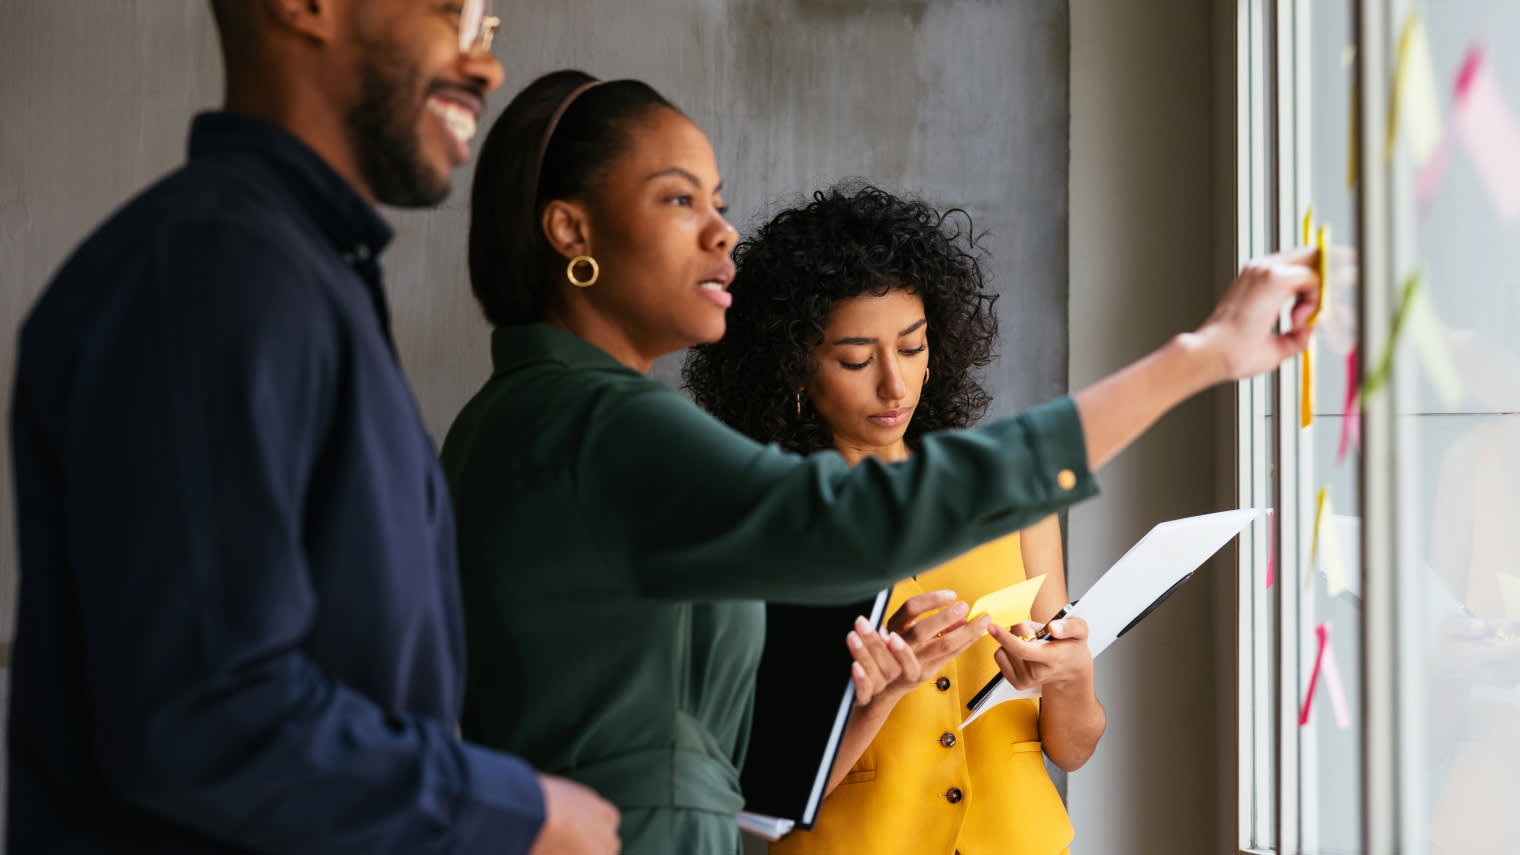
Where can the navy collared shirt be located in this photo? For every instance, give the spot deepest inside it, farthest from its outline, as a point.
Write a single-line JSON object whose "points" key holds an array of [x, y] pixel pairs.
{"points": [[239, 626]]}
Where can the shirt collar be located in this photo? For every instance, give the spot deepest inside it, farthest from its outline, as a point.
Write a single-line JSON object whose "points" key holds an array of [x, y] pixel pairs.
{"points": [[521, 345], [352, 224]]}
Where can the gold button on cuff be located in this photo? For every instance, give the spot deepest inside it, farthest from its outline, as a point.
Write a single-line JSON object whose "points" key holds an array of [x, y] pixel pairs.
{"points": [[1066, 479]]}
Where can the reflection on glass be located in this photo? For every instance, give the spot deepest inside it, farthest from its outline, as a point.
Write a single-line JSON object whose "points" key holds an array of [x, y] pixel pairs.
{"points": [[1463, 501], [1329, 607]]}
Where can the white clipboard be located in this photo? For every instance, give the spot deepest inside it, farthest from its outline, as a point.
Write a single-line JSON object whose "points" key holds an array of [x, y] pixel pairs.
{"points": [[1137, 583]]}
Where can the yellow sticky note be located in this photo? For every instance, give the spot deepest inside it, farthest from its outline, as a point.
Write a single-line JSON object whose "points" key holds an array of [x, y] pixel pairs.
{"points": [[1325, 548], [1321, 243], [1010, 605], [1319, 519], [1413, 102], [1331, 559], [1509, 592]]}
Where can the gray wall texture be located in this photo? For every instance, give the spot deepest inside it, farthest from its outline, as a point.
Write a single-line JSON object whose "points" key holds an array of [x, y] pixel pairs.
{"points": [[1153, 214]]}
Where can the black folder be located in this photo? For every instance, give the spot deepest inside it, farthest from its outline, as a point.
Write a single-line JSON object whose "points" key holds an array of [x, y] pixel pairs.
{"points": [[803, 700]]}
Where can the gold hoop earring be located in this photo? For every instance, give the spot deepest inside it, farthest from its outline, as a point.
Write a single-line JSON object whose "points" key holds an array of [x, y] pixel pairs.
{"points": [[799, 403], [596, 271]]}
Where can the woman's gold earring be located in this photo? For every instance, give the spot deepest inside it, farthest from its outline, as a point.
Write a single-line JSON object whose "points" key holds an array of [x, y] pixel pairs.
{"points": [[799, 403], [596, 271]]}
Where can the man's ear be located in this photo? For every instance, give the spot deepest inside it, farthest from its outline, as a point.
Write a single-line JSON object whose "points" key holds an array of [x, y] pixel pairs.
{"points": [[315, 19], [567, 226]]}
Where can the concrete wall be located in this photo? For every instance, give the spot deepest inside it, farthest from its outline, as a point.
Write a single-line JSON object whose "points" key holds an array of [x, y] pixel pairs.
{"points": [[1152, 229]]}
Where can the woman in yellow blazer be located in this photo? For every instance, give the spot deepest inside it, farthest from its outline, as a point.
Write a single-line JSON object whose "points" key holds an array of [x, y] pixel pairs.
{"points": [[870, 310]]}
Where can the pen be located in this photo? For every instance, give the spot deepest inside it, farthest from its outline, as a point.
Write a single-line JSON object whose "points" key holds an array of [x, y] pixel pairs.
{"points": [[1042, 633]]}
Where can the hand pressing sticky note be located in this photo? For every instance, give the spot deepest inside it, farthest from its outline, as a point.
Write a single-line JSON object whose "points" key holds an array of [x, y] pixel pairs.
{"points": [[1010, 605], [1322, 244]]}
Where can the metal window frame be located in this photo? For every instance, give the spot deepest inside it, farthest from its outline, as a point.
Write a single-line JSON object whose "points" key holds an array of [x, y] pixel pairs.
{"points": [[1393, 796], [1271, 170], [1271, 178]]}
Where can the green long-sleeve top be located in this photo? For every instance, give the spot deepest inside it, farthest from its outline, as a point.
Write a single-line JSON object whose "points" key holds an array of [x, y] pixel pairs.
{"points": [[615, 542]]}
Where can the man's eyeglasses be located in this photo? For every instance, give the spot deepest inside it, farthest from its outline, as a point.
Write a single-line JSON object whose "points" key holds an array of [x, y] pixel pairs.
{"points": [[476, 28]]}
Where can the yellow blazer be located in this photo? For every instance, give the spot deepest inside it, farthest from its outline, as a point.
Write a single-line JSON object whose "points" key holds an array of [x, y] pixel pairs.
{"points": [[924, 788]]}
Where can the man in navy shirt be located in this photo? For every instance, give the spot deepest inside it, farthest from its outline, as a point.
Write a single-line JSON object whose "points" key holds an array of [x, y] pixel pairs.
{"points": [[239, 625]]}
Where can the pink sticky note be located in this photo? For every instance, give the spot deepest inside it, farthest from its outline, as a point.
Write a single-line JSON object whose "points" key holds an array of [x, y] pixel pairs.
{"points": [[1351, 420], [1432, 173], [1333, 685], [1487, 126], [1271, 548], [1319, 658]]}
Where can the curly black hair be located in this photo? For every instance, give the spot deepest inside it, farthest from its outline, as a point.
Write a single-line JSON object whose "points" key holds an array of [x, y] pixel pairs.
{"points": [[849, 240]]}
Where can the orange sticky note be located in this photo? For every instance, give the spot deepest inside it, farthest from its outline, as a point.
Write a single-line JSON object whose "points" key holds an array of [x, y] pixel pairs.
{"points": [[1010, 605], [1306, 388]]}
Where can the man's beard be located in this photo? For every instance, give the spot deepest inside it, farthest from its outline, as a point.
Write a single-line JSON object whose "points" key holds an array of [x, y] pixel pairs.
{"points": [[385, 131]]}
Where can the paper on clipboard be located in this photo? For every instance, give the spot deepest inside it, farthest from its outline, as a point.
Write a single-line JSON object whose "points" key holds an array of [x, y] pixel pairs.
{"points": [[1151, 569]]}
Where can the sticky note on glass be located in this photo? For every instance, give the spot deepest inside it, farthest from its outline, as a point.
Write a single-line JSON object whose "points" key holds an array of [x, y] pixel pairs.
{"points": [[1321, 243], [1325, 553], [1010, 605], [1306, 386], [1319, 660], [1488, 129], [1335, 688], [1435, 358], [1413, 104], [1509, 592], [1331, 558], [1351, 422], [1382, 370]]}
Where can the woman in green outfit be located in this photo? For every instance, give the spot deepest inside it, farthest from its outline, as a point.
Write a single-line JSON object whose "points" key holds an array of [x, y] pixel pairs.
{"points": [[615, 541]]}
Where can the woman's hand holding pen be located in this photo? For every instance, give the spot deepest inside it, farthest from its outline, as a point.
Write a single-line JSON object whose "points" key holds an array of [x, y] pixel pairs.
{"points": [[1052, 664], [926, 632]]}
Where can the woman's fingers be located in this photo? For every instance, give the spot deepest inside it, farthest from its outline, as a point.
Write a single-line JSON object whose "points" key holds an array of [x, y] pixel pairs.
{"points": [[926, 630], [915, 608], [1030, 664], [936, 652], [1072, 628], [865, 690], [1243, 326], [909, 668], [875, 644], [864, 671]]}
